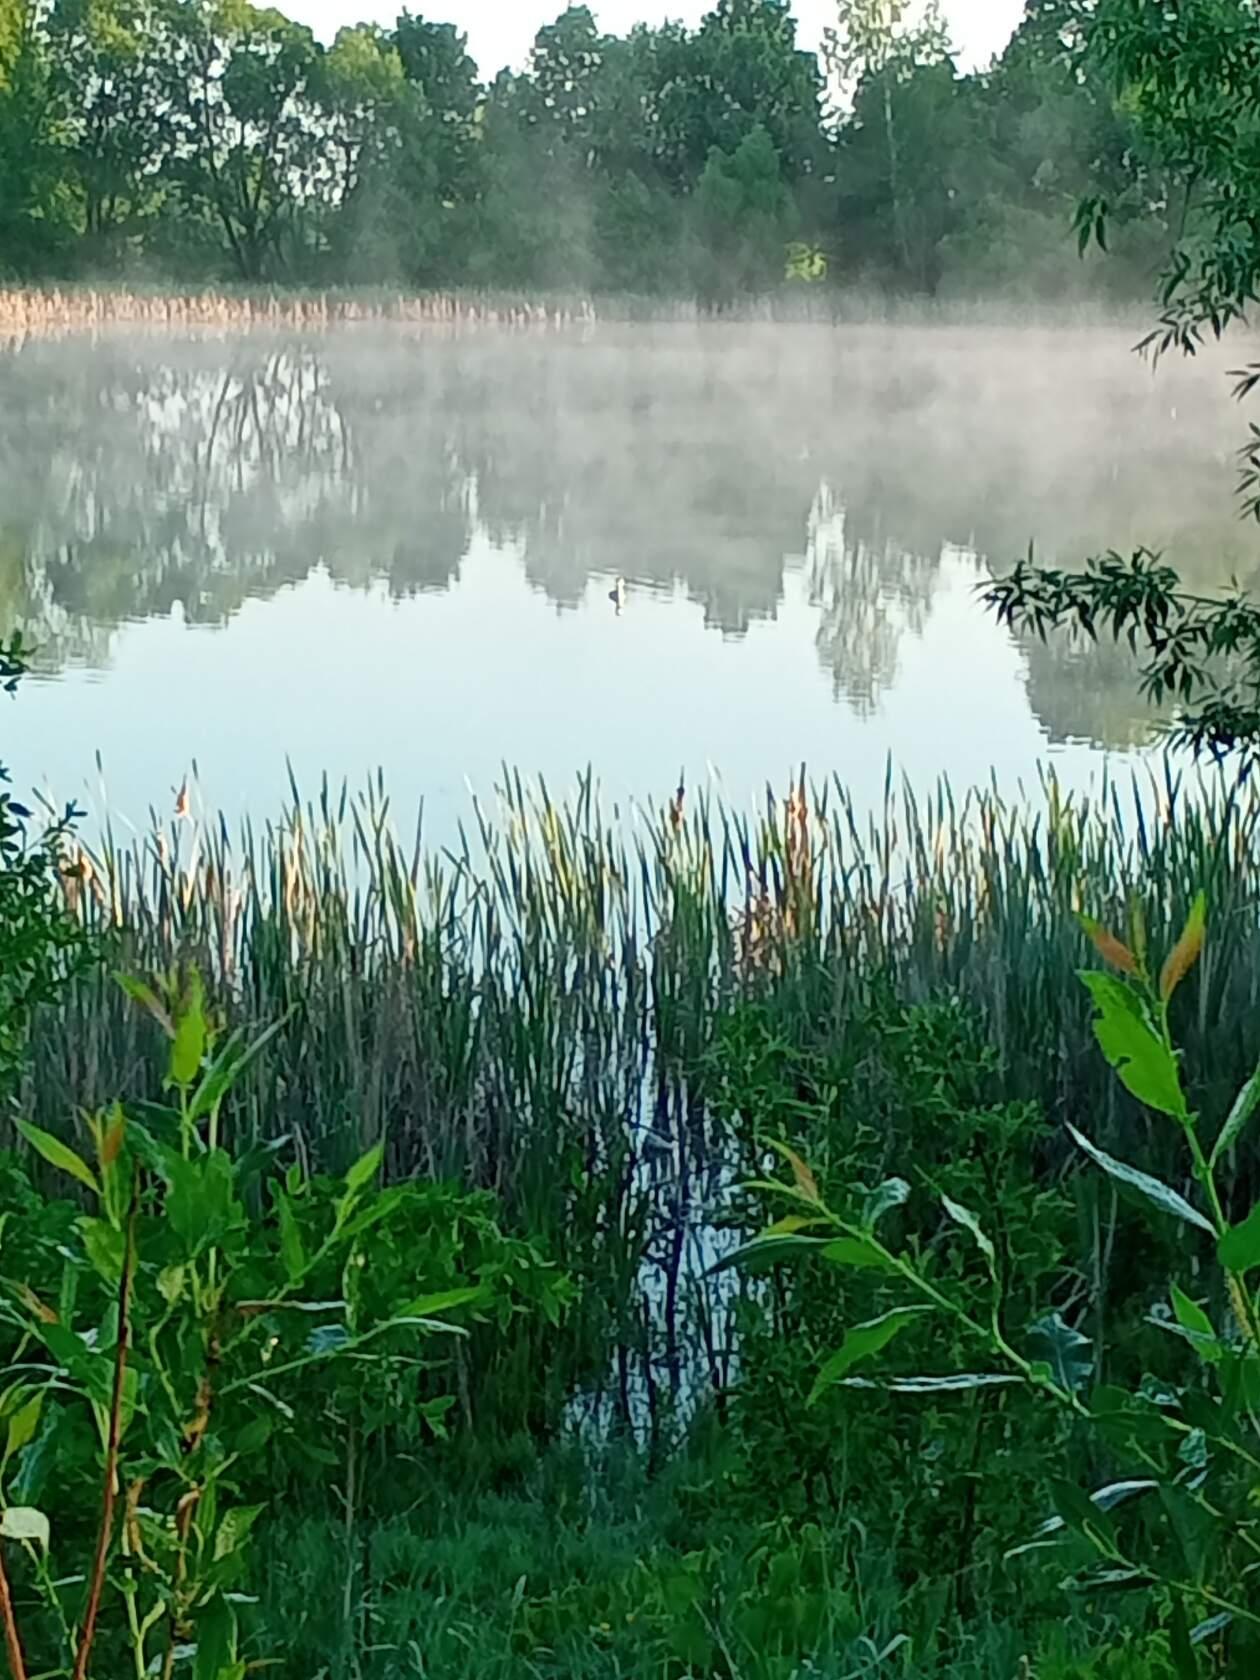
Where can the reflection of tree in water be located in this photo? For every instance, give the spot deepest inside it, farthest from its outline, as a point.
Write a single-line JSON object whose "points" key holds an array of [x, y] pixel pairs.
{"points": [[140, 476], [1086, 692], [870, 592]]}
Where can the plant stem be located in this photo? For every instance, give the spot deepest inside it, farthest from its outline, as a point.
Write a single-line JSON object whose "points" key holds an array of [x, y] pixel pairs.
{"points": [[12, 1644], [109, 1490]]}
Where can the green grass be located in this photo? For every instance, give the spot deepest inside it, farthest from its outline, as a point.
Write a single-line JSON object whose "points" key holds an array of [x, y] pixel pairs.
{"points": [[591, 1569], [542, 1012]]}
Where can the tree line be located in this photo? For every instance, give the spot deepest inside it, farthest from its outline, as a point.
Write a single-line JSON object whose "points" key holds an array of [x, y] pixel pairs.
{"points": [[213, 140]]}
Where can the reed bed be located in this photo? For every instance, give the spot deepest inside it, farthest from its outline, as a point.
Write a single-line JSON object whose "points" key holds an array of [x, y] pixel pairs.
{"points": [[28, 313], [558, 974], [36, 312], [533, 1010]]}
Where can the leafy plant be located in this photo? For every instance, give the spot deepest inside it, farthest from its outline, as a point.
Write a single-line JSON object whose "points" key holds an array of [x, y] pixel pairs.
{"points": [[200, 1297], [40, 944], [1175, 1511]]}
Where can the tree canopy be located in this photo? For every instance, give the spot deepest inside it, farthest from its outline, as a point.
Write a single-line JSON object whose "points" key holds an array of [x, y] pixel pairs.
{"points": [[210, 140]]}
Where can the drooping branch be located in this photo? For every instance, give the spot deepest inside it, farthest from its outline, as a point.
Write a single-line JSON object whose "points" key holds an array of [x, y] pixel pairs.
{"points": [[1200, 652]]}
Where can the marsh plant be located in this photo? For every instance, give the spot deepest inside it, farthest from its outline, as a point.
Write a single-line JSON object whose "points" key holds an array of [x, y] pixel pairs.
{"points": [[201, 1322], [1172, 1511]]}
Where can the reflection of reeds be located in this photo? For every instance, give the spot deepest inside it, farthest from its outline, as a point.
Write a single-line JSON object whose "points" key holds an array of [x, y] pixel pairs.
{"points": [[37, 313]]}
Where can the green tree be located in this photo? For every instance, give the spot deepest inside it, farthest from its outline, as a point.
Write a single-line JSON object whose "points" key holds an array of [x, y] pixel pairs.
{"points": [[239, 85], [744, 208], [365, 106], [875, 47], [35, 219], [107, 85]]}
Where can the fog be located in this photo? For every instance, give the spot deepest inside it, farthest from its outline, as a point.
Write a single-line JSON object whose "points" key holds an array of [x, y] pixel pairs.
{"points": [[848, 480]]}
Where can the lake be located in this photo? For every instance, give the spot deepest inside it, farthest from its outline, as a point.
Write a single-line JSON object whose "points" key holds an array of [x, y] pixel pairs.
{"points": [[399, 548]]}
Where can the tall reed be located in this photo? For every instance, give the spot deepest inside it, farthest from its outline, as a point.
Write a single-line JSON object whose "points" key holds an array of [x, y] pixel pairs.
{"points": [[557, 974]]}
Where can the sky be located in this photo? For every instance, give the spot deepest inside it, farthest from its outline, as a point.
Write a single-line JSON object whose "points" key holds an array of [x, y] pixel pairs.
{"points": [[500, 31]]}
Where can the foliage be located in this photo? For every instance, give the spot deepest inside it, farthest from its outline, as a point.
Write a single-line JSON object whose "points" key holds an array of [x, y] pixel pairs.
{"points": [[1171, 1512], [204, 139], [1191, 76], [40, 946], [1201, 652], [207, 1311]]}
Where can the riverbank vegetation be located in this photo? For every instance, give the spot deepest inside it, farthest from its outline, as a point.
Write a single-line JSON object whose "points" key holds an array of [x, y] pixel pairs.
{"points": [[567, 1046], [661, 1244]]}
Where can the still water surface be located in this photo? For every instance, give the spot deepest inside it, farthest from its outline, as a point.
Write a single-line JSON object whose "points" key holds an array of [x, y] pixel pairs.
{"points": [[382, 548]]}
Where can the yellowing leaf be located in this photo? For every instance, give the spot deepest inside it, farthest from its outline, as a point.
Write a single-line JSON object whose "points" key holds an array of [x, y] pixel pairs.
{"points": [[806, 1183], [112, 1140], [1109, 948], [1185, 953]]}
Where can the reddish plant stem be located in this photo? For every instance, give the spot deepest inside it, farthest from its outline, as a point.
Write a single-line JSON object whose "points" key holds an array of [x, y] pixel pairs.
{"points": [[12, 1644], [109, 1492]]}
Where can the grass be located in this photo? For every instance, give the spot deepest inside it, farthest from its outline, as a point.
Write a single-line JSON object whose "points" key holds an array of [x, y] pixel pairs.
{"points": [[538, 1011], [532, 1012], [558, 975], [590, 1568]]}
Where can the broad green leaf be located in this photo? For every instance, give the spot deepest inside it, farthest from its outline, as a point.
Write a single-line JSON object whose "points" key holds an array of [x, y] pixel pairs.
{"points": [[215, 1629], [189, 1043], [59, 1155], [234, 1526], [860, 1343], [22, 1425], [170, 1283], [1245, 1104], [1144, 1063], [104, 1246], [1192, 1318], [292, 1249], [964, 1217], [201, 1204], [1239, 1248], [765, 1251], [24, 1522], [1164, 1198], [1185, 953], [365, 1169], [882, 1199], [1067, 1354], [857, 1252]]}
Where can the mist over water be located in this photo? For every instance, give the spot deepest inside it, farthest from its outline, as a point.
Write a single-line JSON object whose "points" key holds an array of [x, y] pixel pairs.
{"points": [[381, 547]]}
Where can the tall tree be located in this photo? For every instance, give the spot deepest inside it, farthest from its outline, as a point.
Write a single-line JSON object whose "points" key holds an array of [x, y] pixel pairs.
{"points": [[34, 221], [882, 43], [107, 83], [239, 83]]}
